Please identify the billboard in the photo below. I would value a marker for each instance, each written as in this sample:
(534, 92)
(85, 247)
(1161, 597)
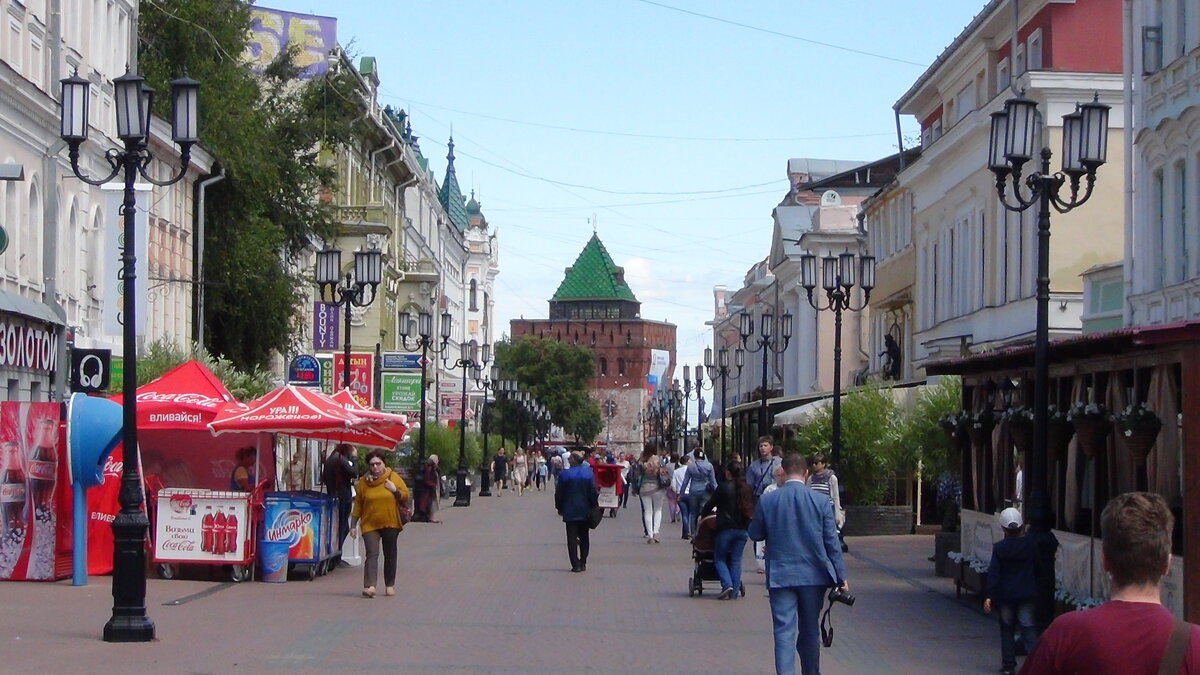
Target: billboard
(401, 392)
(271, 30)
(659, 360)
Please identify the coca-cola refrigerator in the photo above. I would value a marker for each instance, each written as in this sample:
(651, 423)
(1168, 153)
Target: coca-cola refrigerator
(35, 535)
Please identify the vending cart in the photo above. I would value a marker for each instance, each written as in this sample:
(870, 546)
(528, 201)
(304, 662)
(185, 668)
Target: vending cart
(206, 527)
(306, 521)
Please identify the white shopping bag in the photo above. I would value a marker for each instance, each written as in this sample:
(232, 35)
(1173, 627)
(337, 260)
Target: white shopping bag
(352, 551)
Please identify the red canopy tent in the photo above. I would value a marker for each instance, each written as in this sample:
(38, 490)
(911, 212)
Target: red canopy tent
(287, 410)
(384, 430)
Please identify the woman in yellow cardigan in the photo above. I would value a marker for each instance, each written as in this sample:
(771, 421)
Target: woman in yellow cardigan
(378, 498)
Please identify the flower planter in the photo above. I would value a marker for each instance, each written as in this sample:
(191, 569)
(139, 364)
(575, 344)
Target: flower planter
(864, 521)
(1140, 443)
(980, 436)
(1092, 434)
(1022, 437)
(1058, 438)
(970, 580)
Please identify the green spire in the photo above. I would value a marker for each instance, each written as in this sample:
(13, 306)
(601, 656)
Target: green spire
(594, 276)
(451, 196)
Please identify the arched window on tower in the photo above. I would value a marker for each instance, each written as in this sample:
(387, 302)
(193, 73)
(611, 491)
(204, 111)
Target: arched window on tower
(620, 366)
(603, 366)
(474, 296)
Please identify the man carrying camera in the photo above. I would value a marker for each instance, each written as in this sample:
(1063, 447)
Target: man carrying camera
(804, 559)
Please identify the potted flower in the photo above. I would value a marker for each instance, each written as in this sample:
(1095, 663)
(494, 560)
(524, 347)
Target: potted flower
(1059, 431)
(954, 424)
(1092, 423)
(980, 427)
(1139, 426)
(1019, 421)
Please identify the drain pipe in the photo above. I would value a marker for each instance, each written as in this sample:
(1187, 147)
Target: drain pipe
(374, 154)
(1127, 141)
(198, 263)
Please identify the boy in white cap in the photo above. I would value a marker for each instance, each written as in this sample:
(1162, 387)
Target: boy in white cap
(1012, 587)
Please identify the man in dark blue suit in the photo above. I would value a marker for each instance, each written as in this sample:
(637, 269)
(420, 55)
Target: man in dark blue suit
(575, 496)
(804, 559)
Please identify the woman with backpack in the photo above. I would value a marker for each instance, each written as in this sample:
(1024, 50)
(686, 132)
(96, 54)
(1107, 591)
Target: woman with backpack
(653, 479)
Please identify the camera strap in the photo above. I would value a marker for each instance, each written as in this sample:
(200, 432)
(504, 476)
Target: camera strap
(827, 626)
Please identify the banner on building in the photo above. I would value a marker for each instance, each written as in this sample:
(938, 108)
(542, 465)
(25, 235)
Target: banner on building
(401, 392)
(272, 30)
(113, 282)
(326, 323)
(362, 376)
(659, 360)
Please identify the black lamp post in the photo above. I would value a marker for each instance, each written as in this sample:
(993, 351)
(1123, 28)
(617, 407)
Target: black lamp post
(769, 342)
(838, 280)
(425, 341)
(1013, 142)
(468, 359)
(722, 369)
(132, 99)
(349, 290)
(487, 384)
(687, 395)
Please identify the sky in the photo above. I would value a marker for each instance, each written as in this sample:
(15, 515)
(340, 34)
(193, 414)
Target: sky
(665, 126)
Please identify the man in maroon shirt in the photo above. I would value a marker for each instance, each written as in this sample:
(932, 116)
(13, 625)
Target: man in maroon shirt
(1127, 635)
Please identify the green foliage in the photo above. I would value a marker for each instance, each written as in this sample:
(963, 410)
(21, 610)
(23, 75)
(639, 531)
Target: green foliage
(557, 375)
(443, 442)
(921, 436)
(266, 132)
(162, 355)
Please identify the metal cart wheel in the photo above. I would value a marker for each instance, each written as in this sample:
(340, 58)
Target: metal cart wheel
(691, 587)
(166, 571)
(239, 573)
(312, 572)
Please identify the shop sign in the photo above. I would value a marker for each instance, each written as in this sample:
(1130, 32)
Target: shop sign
(90, 370)
(401, 361)
(362, 372)
(325, 326)
(326, 361)
(23, 345)
(304, 370)
(401, 392)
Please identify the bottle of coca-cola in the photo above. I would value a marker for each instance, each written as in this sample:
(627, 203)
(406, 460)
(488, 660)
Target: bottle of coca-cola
(12, 488)
(206, 530)
(219, 533)
(42, 466)
(231, 532)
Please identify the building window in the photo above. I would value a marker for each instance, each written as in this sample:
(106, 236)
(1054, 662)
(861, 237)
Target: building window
(474, 296)
(620, 366)
(1183, 244)
(603, 366)
(964, 101)
(1034, 49)
(1160, 229)
(1003, 75)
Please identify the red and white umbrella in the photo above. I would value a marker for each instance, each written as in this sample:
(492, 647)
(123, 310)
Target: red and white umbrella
(389, 428)
(287, 410)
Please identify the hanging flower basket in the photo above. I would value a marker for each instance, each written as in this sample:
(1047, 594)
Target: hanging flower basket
(1019, 422)
(954, 425)
(1139, 426)
(980, 427)
(1058, 438)
(1092, 423)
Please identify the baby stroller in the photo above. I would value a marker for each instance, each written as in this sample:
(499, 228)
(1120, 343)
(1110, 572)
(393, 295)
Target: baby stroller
(702, 554)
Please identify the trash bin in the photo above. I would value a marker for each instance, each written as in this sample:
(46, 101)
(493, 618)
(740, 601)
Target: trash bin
(273, 557)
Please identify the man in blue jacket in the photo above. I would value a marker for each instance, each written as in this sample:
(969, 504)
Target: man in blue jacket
(575, 496)
(804, 559)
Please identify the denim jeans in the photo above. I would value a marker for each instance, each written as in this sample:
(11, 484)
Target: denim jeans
(695, 501)
(1014, 616)
(795, 612)
(727, 557)
(685, 514)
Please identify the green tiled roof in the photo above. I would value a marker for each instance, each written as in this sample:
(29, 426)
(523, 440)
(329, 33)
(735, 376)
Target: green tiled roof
(594, 276)
(451, 196)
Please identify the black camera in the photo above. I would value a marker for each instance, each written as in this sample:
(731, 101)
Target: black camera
(844, 597)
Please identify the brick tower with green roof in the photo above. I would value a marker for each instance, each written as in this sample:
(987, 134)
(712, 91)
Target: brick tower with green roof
(594, 288)
(595, 307)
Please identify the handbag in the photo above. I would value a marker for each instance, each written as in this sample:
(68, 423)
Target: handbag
(664, 477)
(595, 516)
(351, 555)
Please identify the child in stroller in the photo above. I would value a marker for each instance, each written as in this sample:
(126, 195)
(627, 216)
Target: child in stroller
(702, 554)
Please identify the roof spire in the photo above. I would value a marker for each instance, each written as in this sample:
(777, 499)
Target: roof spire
(450, 155)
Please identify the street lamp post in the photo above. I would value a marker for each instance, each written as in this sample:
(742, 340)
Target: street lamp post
(768, 342)
(424, 341)
(132, 99)
(687, 395)
(838, 280)
(349, 290)
(468, 359)
(1013, 141)
(487, 384)
(722, 369)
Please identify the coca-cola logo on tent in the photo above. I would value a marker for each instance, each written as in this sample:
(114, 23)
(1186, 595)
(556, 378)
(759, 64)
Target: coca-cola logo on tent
(189, 399)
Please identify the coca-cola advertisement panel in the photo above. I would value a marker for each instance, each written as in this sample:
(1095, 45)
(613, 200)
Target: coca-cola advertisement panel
(200, 526)
(33, 538)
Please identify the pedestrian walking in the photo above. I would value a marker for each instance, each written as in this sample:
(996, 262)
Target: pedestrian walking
(760, 547)
(431, 485)
(520, 470)
(824, 480)
(699, 481)
(626, 463)
(338, 474)
(734, 503)
(803, 561)
(759, 475)
(653, 479)
(672, 496)
(575, 496)
(379, 497)
(1132, 632)
(541, 470)
(1012, 588)
(500, 471)
(681, 495)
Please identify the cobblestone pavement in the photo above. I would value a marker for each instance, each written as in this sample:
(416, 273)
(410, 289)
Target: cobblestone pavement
(489, 590)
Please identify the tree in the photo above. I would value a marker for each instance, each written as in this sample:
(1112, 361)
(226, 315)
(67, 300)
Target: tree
(557, 375)
(267, 132)
(162, 355)
(921, 437)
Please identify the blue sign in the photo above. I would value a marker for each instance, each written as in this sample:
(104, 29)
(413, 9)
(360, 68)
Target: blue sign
(305, 370)
(399, 361)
